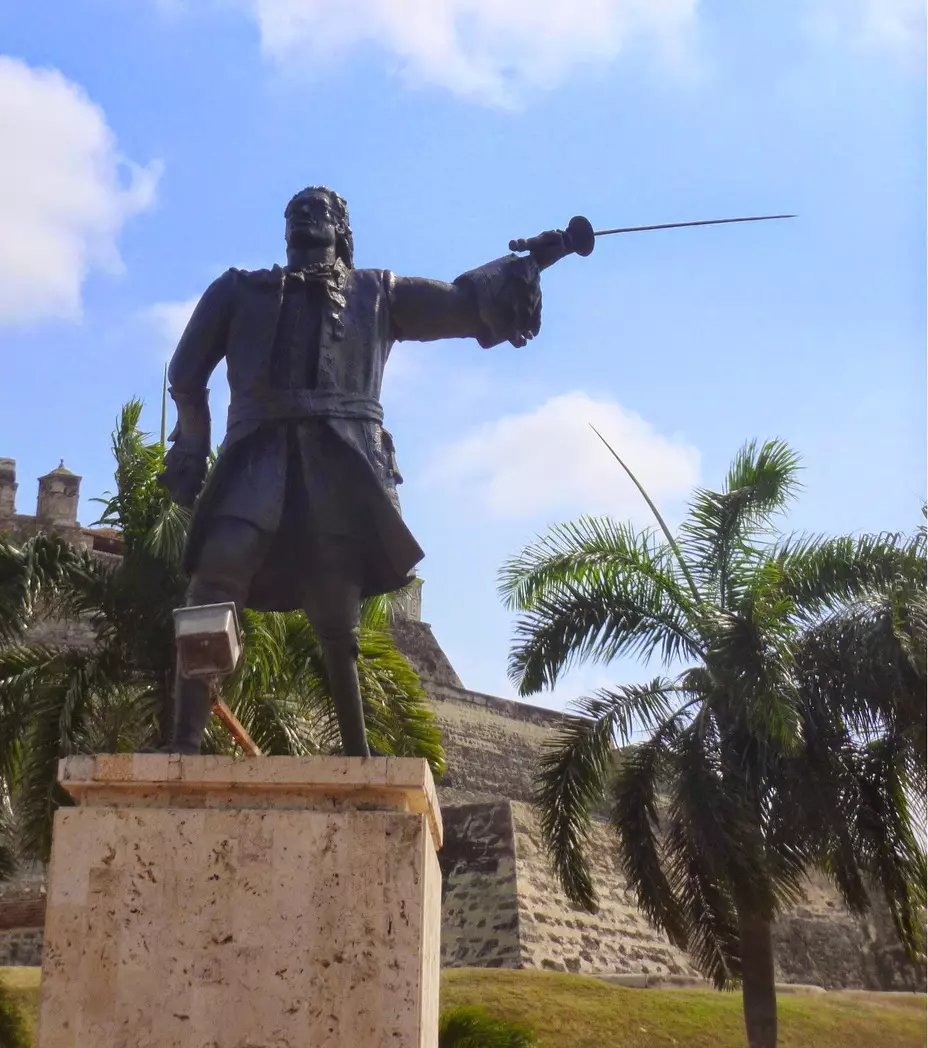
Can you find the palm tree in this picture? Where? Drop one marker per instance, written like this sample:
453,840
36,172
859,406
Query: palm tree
115,695
792,737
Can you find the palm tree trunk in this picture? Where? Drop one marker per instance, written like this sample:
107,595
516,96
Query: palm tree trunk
758,984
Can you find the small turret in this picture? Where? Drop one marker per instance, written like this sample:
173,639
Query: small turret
59,492
7,491
407,602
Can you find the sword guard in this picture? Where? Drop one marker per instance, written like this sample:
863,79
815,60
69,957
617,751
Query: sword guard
554,244
582,237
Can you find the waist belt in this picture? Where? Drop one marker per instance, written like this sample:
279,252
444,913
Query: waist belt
283,405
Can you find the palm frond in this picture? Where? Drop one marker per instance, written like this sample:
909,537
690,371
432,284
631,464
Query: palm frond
761,482
57,689
167,534
9,853
752,658
575,768
281,695
662,524
278,691
635,817
867,665
605,615
400,721
709,913
30,576
808,800
591,546
121,719
712,853
139,497
377,612
891,850
822,574
22,668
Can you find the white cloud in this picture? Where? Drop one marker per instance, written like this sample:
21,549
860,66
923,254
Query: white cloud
491,50
168,319
549,461
894,26
65,193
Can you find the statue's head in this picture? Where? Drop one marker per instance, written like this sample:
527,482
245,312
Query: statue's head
318,217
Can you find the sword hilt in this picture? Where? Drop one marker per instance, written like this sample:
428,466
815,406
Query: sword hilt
554,244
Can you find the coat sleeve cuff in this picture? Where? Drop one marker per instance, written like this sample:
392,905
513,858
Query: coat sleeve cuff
507,292
192,432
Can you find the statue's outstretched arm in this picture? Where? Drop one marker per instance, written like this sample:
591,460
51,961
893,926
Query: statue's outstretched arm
495,303
200,349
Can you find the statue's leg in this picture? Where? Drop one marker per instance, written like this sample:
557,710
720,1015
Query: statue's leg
333,606
230,556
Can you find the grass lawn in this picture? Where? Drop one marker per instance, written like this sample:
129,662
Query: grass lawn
24,984
575,1011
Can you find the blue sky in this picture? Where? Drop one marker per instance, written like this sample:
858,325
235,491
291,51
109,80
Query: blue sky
150,145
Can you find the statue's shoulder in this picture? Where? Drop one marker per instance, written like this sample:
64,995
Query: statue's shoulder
373,279
254,276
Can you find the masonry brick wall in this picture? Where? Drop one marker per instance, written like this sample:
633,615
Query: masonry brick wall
502,907
492,745
480,908
21,947
22,913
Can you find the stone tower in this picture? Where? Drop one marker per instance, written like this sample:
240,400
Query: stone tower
7,492
59,492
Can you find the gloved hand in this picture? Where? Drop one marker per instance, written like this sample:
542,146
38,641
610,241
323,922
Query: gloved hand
184,474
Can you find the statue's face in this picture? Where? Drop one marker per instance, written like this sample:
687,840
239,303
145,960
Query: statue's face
311,222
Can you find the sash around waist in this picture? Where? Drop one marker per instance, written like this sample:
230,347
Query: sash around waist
283,405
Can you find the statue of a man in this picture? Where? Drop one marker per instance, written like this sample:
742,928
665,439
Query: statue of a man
300,509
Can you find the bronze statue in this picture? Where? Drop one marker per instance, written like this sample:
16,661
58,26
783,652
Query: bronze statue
300,510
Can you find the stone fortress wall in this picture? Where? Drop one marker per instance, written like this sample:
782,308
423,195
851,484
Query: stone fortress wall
501,906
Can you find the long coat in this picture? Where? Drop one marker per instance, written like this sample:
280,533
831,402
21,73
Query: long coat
237,319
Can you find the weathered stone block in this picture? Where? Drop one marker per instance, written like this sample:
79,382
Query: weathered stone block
207,902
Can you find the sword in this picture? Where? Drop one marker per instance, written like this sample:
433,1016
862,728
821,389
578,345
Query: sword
579,238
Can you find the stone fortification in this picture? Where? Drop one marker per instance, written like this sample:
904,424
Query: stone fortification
491,744
502,908
22,915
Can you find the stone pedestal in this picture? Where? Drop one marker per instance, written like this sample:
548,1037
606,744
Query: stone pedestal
280,902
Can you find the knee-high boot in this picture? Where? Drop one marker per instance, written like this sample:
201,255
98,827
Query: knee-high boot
193,703
341,660
193,700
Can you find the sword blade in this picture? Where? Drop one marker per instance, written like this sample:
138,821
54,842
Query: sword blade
680,225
